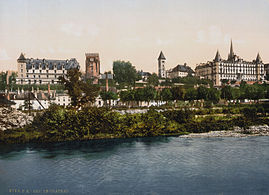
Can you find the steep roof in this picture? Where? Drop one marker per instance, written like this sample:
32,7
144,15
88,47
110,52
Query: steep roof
22,57
217,58
161,57
258,59
182,68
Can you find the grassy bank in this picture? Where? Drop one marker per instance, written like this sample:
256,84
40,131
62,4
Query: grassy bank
60,124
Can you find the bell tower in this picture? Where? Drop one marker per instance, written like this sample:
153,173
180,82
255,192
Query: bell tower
161,66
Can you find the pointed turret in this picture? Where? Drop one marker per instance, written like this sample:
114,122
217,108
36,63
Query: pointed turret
21,58
258,59
161,66
161,57
231,54
218,57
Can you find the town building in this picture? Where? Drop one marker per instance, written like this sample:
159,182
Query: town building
42,71
92,66
234,68
180,71
161,66
266,68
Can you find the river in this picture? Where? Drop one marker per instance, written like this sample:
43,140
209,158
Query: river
138,166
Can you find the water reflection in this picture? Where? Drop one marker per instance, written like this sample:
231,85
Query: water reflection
52,150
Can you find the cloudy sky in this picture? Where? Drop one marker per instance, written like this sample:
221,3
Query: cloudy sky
135,30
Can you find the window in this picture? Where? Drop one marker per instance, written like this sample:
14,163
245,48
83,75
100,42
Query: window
21,70
40,81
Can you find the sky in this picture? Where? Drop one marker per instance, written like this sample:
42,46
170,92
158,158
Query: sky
187,31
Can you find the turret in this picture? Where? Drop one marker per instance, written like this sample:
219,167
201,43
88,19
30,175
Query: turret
161,65
217,57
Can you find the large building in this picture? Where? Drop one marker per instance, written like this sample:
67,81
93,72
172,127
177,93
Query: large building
92,66
161,66
42,71
180,71
234,68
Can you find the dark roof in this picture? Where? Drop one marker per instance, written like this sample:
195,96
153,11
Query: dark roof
60,64
182,68
258,59
217,57
21,58
161,57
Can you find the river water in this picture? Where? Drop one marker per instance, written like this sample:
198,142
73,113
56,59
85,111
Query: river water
138,166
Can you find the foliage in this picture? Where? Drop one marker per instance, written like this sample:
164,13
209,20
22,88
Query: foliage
80,92
153,80
124,72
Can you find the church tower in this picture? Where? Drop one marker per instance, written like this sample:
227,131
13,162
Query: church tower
161,66
231,55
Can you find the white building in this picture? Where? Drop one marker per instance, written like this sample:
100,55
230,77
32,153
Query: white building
42,71
161,66
234,68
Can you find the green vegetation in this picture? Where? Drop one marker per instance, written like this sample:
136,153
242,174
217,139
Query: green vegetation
81,92
124,73
60,124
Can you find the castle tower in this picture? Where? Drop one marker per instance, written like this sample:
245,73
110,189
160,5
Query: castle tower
218,57
21,69
161,66
92,66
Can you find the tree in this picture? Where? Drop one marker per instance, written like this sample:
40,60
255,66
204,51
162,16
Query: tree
108,95
191,94
80,92
127,96
178,93
124,72
153,80
202,93
214,95
226,93
149,94
166,94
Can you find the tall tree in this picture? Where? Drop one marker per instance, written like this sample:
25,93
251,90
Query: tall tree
166,94
80,92
124,72
153,80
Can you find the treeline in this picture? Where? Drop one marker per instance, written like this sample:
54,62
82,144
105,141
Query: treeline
60,124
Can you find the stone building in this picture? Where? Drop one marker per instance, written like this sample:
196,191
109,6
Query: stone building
161,66
92,66
42,71
180,71
234,68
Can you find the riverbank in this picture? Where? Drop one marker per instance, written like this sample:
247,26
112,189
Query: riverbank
58,124
260,130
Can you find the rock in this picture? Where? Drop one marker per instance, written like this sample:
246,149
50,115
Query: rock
10,118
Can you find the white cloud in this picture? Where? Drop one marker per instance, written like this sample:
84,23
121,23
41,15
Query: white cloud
79,30
214,35
3,55
163,42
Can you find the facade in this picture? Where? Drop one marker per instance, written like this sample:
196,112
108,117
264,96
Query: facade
180,71
266,68
92,66
161,66
42,71
234,68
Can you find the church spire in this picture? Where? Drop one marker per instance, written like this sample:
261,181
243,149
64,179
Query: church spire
218,57
258,59
231,49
